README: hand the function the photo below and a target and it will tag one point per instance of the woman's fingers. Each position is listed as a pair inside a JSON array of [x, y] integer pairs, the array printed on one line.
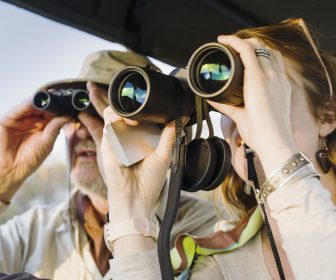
[[110, 116], [245, 50], [98, 97], [164, 148], [278, 60], [130, 122], [252, 61], [264, 62], [229, 110]]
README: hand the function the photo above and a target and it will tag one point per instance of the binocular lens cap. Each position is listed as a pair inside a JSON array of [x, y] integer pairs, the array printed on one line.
[[200, 164], [223, 165]]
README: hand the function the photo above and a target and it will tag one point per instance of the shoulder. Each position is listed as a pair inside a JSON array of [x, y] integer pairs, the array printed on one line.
[[190, 202], [191, 206], [195, 216], [247, 262]]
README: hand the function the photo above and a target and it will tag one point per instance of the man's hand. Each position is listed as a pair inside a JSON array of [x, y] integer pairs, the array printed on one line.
[[27, 137]]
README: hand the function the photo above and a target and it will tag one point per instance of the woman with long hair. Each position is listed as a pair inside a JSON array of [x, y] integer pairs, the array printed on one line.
[[288, 119]]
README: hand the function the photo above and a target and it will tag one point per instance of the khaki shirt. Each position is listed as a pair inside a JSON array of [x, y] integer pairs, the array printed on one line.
[[48, 242]]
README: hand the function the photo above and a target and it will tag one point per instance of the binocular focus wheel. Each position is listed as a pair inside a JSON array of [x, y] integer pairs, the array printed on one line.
[[201, 159], [223, 163]]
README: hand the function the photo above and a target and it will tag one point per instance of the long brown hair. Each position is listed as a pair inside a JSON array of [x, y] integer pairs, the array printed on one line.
[[289, 38]]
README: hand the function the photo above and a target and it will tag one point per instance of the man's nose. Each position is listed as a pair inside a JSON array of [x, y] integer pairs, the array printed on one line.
[[82, 132]]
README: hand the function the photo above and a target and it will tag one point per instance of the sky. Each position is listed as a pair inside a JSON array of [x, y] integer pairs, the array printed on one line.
[[35, 50]]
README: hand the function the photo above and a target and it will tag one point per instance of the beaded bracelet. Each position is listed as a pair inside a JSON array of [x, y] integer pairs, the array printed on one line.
[[295, 169]]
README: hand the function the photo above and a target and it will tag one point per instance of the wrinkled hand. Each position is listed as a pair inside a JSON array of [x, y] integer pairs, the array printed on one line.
[[264, 120], [27, 137], [133, 191]]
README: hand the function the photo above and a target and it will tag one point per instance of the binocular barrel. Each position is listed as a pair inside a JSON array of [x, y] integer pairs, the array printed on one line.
[[215, 72], [64, 101], [143, 94]]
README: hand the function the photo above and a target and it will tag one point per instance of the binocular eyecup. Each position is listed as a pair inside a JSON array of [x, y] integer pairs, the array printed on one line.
[[64, 101]]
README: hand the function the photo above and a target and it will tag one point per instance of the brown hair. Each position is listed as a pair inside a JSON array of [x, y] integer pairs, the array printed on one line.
[[289, 38]]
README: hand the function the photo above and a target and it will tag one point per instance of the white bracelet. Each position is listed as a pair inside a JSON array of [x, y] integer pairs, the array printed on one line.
[[295, 169], [137, 226]]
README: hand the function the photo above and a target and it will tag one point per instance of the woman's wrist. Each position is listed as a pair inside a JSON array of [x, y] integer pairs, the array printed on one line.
[[296, 168], [132, 244], [128, 209], [273, 156], [132, 224]]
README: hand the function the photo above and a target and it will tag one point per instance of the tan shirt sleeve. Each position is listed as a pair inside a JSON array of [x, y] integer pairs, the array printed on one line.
[[145, 266], [140, 266], [306, 218], [11, 246]]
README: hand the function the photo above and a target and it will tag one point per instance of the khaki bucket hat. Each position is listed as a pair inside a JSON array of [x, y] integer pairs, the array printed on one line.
[[100, 67]]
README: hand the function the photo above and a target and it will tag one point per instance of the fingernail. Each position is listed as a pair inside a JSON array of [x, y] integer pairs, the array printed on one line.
[[90, 85]]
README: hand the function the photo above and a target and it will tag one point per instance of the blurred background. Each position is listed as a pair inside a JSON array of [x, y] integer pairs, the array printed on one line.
[[33, 51]]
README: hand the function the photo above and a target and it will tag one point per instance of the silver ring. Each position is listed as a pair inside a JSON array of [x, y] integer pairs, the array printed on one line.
[[262, 52]]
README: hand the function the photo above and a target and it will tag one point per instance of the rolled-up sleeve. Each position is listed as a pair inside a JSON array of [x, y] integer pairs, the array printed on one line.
[[140, 266], [11, 247], [306, 217]]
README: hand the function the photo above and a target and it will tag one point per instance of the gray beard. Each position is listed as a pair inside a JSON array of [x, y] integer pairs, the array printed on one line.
[[89, 184]]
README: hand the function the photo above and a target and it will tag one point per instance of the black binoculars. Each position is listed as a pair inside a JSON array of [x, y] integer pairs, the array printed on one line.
[[64, 101], [214, 72]]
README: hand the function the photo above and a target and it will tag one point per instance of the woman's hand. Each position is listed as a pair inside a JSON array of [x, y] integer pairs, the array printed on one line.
[[27, 137], [264, 121], [133, 191]]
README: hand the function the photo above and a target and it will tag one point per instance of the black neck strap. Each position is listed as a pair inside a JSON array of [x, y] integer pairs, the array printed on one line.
[[252, 177], [174, 191]]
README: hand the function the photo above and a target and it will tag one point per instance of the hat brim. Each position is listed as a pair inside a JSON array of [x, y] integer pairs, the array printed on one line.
[[76, 83]]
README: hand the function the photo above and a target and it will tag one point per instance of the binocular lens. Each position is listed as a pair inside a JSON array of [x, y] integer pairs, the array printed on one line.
[[81, 100], [132, 92], [213, 71], [41, 100]]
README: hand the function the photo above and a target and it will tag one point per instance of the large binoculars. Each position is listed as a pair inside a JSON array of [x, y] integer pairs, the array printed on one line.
[[64, 101], [214, 72]]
